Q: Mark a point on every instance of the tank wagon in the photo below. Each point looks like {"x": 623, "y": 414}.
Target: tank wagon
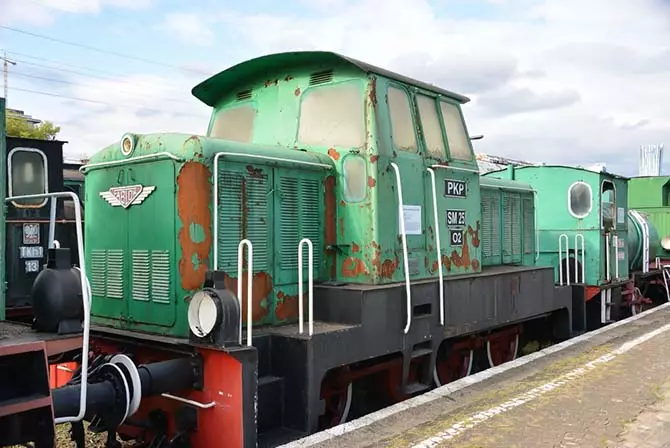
{"x": 322, "y": 251}
{"x": 38, "y": 166}
{"x": 594, "y": 240}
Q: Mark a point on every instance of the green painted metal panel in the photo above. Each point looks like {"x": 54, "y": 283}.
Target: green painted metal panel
{"x": 151, "y": 250}
{"x": 3, "y": 208}
{"x": 106, "y": 245}
{"x": 508, "y": 231}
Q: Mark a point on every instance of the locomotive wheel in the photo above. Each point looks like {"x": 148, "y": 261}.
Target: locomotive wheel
{"x": 502, "y": 348}
{"x": 458, "y": 364}
{"x": 336, "y": 391}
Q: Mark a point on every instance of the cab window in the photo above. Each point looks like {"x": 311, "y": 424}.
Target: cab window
{"x": 402, "y": 124}
{"x": 457, "y": 139}
{"x": 235, "y": 123}
{"x": 28, "y": 175}
{"x": 430, "y": 124}
{"x": 333, "y": 115}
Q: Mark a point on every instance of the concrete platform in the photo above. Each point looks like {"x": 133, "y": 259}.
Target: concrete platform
{"x": 608, "y": 388}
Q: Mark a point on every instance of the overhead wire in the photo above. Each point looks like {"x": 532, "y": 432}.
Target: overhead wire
{"x": 101, "y": 50}
{"x": 67, "y": 67}
{"x": 89, "y": 86}
{"x": 88, "y": 100}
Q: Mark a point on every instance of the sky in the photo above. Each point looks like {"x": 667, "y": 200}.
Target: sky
{"x": 556, "y": 81}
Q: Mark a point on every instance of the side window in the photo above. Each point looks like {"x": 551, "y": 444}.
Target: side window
{"x": 355, "y": 178}
{"x": 236, "y": 124}
{"x": 28, "y": 175}
{"x": 430, "y": 123}
{"x": 402, "y": 124}
{"x": 457, "y": 139}
{"x": 580, "y": 199}
{"x": 333, "y": 115}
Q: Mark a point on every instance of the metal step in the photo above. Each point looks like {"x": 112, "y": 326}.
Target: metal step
{"x": 26, "y": 411}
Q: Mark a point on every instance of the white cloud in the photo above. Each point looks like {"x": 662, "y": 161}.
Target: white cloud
{"x": 190, "y": 27}
{"x": 45, "y": 12}
{"x": 571, "y": 79}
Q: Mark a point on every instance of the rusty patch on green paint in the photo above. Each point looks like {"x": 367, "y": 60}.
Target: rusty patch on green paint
{"x": 373, "y": 92}
{"x": 193, "y": 199}
{"x": 332, "y": 152}
{"x": 475, "y": 264}
{"x": 474, "y": 234}
{"x": 261, "y": 288}
{"x": 355, "y": 247}
{"x": 353, "y": 267}
{"x": 287, "y": 305}
{"x": 297, "y": 92}
{"x": 371, "y": 182}
{"x": 341, "y": 226}
{"x": 462, "y": 260}
{"x": 373, "y": 158}
{"x": 388, "y": 268}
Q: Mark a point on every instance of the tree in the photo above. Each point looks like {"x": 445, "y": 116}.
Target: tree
{"x": 17, "y": 126}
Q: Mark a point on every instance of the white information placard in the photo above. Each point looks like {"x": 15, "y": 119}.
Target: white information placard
{"x": 412, "y": 218}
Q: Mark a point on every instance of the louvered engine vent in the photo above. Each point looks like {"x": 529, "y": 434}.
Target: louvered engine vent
{"x": 244, "y": 95}
{"x": 320, "y": 77}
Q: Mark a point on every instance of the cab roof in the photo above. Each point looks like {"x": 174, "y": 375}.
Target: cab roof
{"x": 213, "y": 89}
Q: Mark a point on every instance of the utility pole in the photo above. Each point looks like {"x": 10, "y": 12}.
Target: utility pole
{"x": 5, "y": 63}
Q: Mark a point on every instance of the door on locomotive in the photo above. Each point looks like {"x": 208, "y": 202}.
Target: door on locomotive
{"x": 613, "y": 229}
{"x": 33, "y": 167}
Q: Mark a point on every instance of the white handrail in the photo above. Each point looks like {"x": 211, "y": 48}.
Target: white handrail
{"x": 52, "y": 222}
{"x": 577, "y": 237}
{"x": 645, "y": 240}
{"x": 438, "y": 243}
{"x": 250, "y": 275}
{"x": 85, "y": 296}
{"x": 608, "y": 255}
{"x": 615, "y": 243}
{"x": 537, "y": 231}
{"x": 310, "y": 286}
{"x": 560, "y": 258}
{"x": 401, "y": 217}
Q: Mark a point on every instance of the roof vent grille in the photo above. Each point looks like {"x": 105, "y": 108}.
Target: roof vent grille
{"x": 244, "y": 95}
{"x": 321, "y": 77}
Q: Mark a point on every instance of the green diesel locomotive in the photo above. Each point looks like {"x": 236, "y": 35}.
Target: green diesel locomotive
{"x": 327, "y": 248}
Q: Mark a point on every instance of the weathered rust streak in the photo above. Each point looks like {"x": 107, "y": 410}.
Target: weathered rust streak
{"x": 373, "y": 158}
{"x": 193, "y": 199}
{"x": 297, "y": 91}
{"x": 254, "y": 172}
{"x": 261, "y": 288}
{"x": 355, "y": 247}
{"x": 341, "y": 225}
{"x": 353, "y": 267}
{"x": 371, "y": 182}
{"x": 475, "y": 264}
{"x": 474, "y": 234}
{"x": 332, "y": 152}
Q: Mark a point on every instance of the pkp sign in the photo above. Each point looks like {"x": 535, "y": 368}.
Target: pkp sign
{"x": 455, "y": 188}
